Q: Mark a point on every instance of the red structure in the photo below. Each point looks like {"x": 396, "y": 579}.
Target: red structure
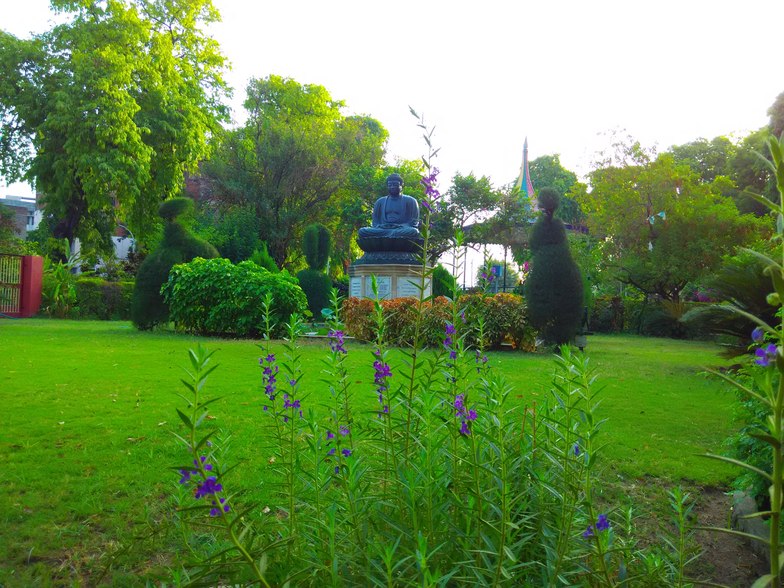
{"x": 20, "y": 285}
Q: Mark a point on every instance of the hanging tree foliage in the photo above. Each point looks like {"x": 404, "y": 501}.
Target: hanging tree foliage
{"x": 105, "y": 112}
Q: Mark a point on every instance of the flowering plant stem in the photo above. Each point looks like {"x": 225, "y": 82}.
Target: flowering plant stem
{"x": 198, "y": 413}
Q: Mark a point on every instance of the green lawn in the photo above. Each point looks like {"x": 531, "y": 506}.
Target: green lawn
{"x": 88, "y": 411}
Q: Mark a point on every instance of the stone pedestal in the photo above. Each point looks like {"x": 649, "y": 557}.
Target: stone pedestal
{"x": 394, "y": 280}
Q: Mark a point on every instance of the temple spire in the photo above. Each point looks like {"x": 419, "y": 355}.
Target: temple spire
{"x": 523, "y": 185}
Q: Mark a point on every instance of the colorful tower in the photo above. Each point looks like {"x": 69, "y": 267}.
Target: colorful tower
{"x": 523, "y": 184}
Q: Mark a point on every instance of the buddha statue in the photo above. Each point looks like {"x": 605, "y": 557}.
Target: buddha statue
{"x": 394, "y": 226}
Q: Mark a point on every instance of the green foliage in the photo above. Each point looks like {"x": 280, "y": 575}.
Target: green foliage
{"x": 58, "y": 288}
{"x": 297, "y": 160}
{"x": 103, "y": 300}
{"x": 444, "y": 283}
{"x": 739, "y": 284}
{"x": 174, "y": 207}
{"x": 234, "y": 231}
{"x": 554, "y": 288}
{"x": 262, "y": 258}
{"x": 317, "y": 246}
{"x": 317, "y": 287}
{"x": 213, "y": 296}
{"x": 548, "y": 171}
{"x": 148, "y": 307}
{"x": 667, "y": 227}
{"x": 106, "y": 111}
{"x": 548, "y": 200}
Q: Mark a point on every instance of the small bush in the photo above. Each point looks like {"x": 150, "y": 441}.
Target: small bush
{"x": 213, "y": 296}
{"x": 443, "y": 282}
{"x": 262, "y": 258}
{"x": 317, "y": 288}
{"x": 504, "y": 316}
{"x": 99, "y": 299}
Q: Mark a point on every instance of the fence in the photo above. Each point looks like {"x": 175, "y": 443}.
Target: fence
{"x": 20, "y": 285}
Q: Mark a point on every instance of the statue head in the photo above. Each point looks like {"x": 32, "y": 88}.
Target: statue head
{"x": 395, "y": 184}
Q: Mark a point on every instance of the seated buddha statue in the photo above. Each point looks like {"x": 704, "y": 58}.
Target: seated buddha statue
{"x": 395, "y": 222}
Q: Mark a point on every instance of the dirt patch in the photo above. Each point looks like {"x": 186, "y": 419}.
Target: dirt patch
{"x": 726, "y": 559}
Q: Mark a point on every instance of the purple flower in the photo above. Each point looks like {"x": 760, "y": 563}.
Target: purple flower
{"x": 588, "y": 532}
{"x": 215, "y": 511}
{"x": 449, "y": 329}
{"x": 766, "y": 355}
{"x": 459, "y": 406}
{"x": 453, "y": 354}
{"x": 346, "y": 452}
{"x": 464, "y": 430}
{"x": 330, "y": 435}
{"x": 209, "y": 486}
{"x": 186, "y": 475}
{"x": 757, "y": 335}
{"x": 336, "y": 341}
{"x": 270, "y": 358}
{"x": 344, "y": 431}
{"x": 471, "y": 416}
{"x": 602, "y": 523}
{"x": 331, "y": 452}
{"x": 576, "y": 449}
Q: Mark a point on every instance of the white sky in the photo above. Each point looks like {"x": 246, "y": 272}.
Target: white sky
{"x": 489, "y": 74}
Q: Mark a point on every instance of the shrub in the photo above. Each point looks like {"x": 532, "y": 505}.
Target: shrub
{"x": 444, "y": 282}
{"x": 608, "y": 314}
{"x": 262, "y": 258}
{"x": 317, "y": 288}
{"x": 213, "y": 296}
{"x": 58, "y": 291}
{"x": 504, "y": 316}
{"x": 99, "y": 299}
{"x": 554, "y": 288}
{"x": 317, "y": 245}
{"x": 148, "y": 308}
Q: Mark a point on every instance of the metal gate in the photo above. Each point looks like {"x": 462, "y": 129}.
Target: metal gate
{"x": 10, "y": 284}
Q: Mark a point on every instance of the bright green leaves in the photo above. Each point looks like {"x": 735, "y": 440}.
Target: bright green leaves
{"x": 117, "y": 103}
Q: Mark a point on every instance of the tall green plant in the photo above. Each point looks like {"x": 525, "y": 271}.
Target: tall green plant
{"x": 769, "y": 389}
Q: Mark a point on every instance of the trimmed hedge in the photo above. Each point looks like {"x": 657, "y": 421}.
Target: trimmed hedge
{"x": 504, "y": 316}
{"x": 214, "y": 296}
{"x": 107, "y": 301}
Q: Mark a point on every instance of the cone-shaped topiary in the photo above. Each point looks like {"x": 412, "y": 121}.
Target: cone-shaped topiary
{"x": 316, "y": 244}
{"x": 554, "y": 288}
{"x": 178, "y": 246}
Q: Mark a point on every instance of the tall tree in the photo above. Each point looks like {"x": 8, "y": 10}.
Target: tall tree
{"x": 105, "y": 112}
{"x": 663, "y": 226}
{"x": 708, "y": 159}
{"x": 295, "y": 153}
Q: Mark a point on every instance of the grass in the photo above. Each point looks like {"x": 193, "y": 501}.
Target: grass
{"x": 88, "y": 410}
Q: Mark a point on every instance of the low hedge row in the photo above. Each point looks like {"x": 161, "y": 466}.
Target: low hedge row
{"x": 505, "y": 320}
{"x": 98, "y": 299}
